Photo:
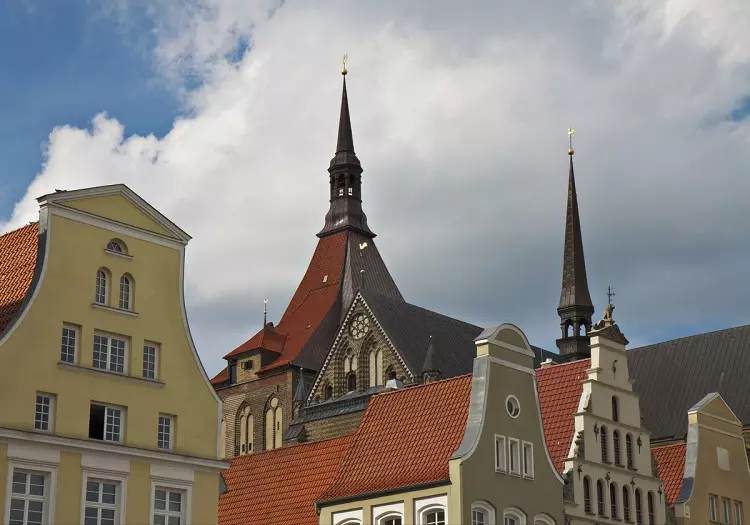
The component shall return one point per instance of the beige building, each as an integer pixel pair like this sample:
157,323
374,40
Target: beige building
106,414
707,478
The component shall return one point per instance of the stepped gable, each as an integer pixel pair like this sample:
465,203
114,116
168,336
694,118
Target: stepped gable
280,486
18,253
671,461
560,388
670,374
396,445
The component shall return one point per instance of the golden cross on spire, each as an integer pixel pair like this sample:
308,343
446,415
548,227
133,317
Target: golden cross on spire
571,132
344,60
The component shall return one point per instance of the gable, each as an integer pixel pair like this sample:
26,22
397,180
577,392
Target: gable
717,407
118,208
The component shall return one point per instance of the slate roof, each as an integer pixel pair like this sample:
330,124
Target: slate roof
280,486
560,388
671,376
671,461
396,445
18,250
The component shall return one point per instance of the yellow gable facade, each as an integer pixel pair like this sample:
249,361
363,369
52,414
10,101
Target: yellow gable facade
106,414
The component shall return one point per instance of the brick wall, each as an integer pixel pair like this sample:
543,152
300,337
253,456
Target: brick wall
333,426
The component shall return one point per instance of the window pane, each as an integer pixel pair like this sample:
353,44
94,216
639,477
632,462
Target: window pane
112,426
68,346
117,356
42,412
92,491
175,501
149,362
164,432
109,493
100,351
108,516
160,500
174,520
36,485
160,520
19,482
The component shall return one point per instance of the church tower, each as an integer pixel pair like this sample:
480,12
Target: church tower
575,308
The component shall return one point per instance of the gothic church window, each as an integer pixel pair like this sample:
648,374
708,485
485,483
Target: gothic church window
350,371
650,498
223,438
587,494
615,409
351,382
613,501
327,391
616,446
600,508
274,424
629,450
638,507
625,504
376,367
605,445
244,432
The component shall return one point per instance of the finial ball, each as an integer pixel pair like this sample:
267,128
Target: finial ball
571,151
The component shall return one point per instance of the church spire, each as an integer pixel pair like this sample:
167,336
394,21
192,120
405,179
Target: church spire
575,308
345,211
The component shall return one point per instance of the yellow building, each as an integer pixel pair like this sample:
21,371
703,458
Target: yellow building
106,414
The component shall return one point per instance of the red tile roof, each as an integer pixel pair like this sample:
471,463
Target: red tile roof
280,487
308,306
671,460
221,377
560,388
405,438
17,262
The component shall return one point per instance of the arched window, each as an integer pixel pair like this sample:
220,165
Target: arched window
376,367
274,424
650,502
223,443
543,519
605,445
638,507
327,391
587,494
616,446
117,246
102,286
433,516
391,519
482,513
351,382
126,292
600,508
244,432
514,516
625,503
613,501
629,449
615,409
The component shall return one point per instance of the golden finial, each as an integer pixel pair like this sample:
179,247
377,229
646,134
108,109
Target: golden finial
344,60
571,132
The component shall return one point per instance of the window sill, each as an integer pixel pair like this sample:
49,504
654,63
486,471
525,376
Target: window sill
70,366
114,310
117,254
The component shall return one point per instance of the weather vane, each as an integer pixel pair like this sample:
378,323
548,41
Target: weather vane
610,294
571,132
344,60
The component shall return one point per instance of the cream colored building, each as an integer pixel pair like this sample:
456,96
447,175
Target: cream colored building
609,471
106,414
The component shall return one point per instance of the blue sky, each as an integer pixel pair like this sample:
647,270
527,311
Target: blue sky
459,119
61,63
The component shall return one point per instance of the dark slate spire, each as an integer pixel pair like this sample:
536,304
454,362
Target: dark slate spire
430,370
575,308
345,212
300,394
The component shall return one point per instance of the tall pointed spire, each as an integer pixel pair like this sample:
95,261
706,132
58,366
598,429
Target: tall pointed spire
345,211
575,308
430,370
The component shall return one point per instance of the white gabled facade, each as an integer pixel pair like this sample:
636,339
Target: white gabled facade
609,473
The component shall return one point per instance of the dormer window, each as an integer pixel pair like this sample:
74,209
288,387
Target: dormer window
117,246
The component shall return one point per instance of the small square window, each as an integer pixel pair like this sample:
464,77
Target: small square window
44,412
247,365
500,464
164,432
69,344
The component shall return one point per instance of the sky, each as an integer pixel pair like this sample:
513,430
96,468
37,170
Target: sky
223,114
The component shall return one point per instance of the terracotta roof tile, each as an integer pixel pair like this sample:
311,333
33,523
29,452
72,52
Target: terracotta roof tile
560,388
671,460
281,486
396,444
312,300
221,377
17,262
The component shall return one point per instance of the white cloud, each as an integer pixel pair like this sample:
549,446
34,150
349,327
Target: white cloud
459,119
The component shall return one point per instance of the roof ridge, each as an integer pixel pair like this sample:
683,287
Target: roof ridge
558,365
433,312
691,336
27,225
668,446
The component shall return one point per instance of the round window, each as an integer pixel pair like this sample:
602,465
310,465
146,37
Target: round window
359,326
512,406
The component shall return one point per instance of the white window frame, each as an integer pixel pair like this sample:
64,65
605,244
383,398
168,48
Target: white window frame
50,484
76,342
713,508
516,513
422,520
511,470
108,352
105,477
726,511
514,400
488,509
172,485
104,428
526,445
737,505
128,280
543,519
171,420
501,447
422,506
51,416
381,520
107,278
156,348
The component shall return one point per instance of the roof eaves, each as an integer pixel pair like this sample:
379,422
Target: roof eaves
381,493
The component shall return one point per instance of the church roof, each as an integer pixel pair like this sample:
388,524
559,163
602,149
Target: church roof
389,452
671,376
280,486
671,461
18,250
560,388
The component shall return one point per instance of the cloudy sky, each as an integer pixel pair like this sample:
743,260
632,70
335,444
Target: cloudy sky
223,115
